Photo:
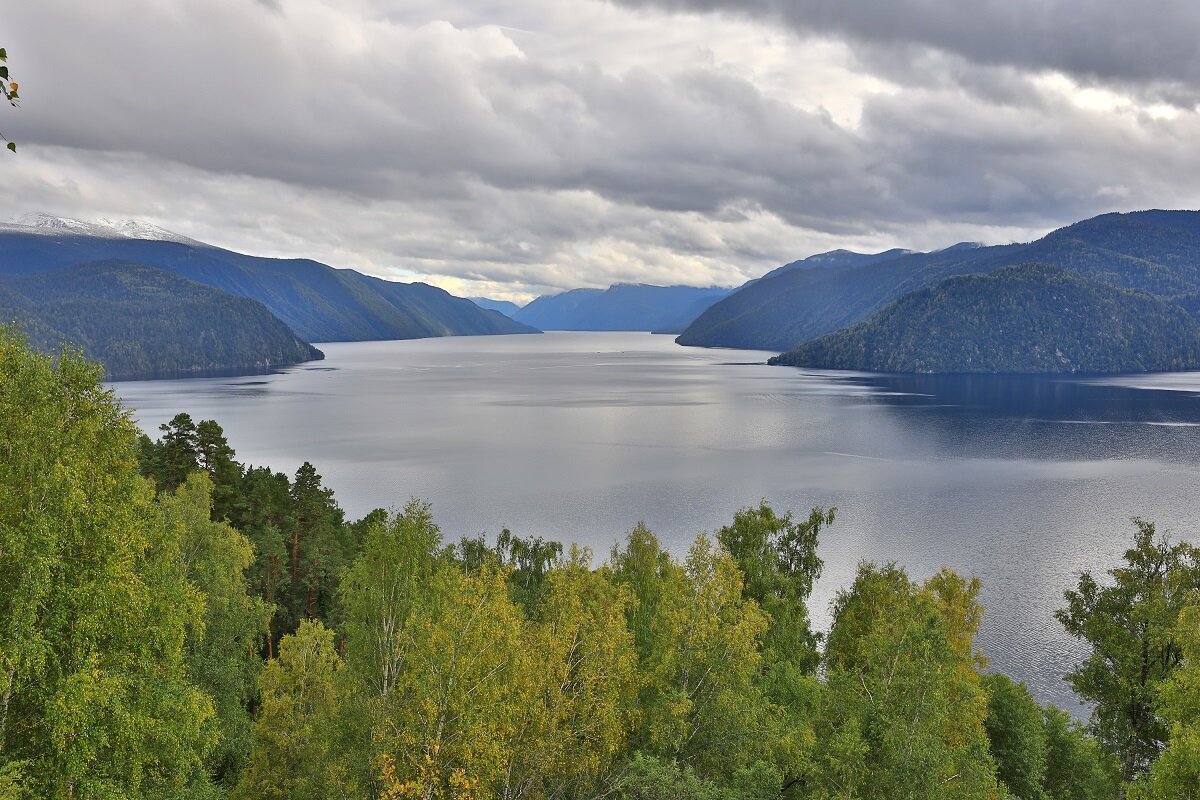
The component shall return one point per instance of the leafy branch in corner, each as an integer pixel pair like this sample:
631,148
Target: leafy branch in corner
9,89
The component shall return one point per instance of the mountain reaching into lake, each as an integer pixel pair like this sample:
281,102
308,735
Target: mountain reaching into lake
142,322
318,302
1153,251
621,307
505,307
1030,319
790,306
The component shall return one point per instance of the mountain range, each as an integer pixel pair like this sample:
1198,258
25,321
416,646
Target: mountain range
620,307
1154,253
1117,292
318,302
315,301
505,307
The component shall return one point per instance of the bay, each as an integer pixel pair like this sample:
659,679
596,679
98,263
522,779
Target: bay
1021,481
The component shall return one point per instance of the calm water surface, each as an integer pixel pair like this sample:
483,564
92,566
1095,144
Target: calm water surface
1022,482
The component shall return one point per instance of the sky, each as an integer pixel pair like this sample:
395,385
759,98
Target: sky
509,148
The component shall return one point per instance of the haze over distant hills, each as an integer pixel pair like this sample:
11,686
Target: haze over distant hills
318,302
1156,252
505,307
620,307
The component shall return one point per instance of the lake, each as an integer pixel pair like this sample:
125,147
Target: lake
1021,481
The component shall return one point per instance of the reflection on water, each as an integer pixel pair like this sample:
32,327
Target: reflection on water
1021,481
1124,399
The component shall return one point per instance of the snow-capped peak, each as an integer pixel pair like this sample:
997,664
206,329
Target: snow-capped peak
104,228
51,224
132,229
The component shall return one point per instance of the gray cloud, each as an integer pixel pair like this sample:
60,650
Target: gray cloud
514,146
1149,44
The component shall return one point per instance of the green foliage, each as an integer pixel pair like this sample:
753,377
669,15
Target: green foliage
264,514
95,606
1076,767
1131,628
215,456
1029,318
583,667
699,649
779,562
295,756
905,705
176,455
222,653
1176,773
1016,736
450,717
651,778
318,549
300,540
142,322
132,630
382,589
529,561
777,556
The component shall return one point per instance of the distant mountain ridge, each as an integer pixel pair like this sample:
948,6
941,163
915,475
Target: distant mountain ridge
142,322
505,307
1152,251
837,258
620,307
318,302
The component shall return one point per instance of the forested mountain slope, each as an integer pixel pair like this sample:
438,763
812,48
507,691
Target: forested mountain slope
1030,318
142,322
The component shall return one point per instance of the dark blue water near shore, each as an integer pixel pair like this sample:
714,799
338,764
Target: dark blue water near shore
1021,481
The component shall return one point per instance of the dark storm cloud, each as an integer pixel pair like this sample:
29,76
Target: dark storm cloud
1149,44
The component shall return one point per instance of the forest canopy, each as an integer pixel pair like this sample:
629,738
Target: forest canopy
177,624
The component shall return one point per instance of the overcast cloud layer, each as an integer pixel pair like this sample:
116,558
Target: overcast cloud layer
512,147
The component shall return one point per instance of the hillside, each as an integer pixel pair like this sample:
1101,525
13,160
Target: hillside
796,305
318,302
1029,318
1152,251
621,307
142,322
